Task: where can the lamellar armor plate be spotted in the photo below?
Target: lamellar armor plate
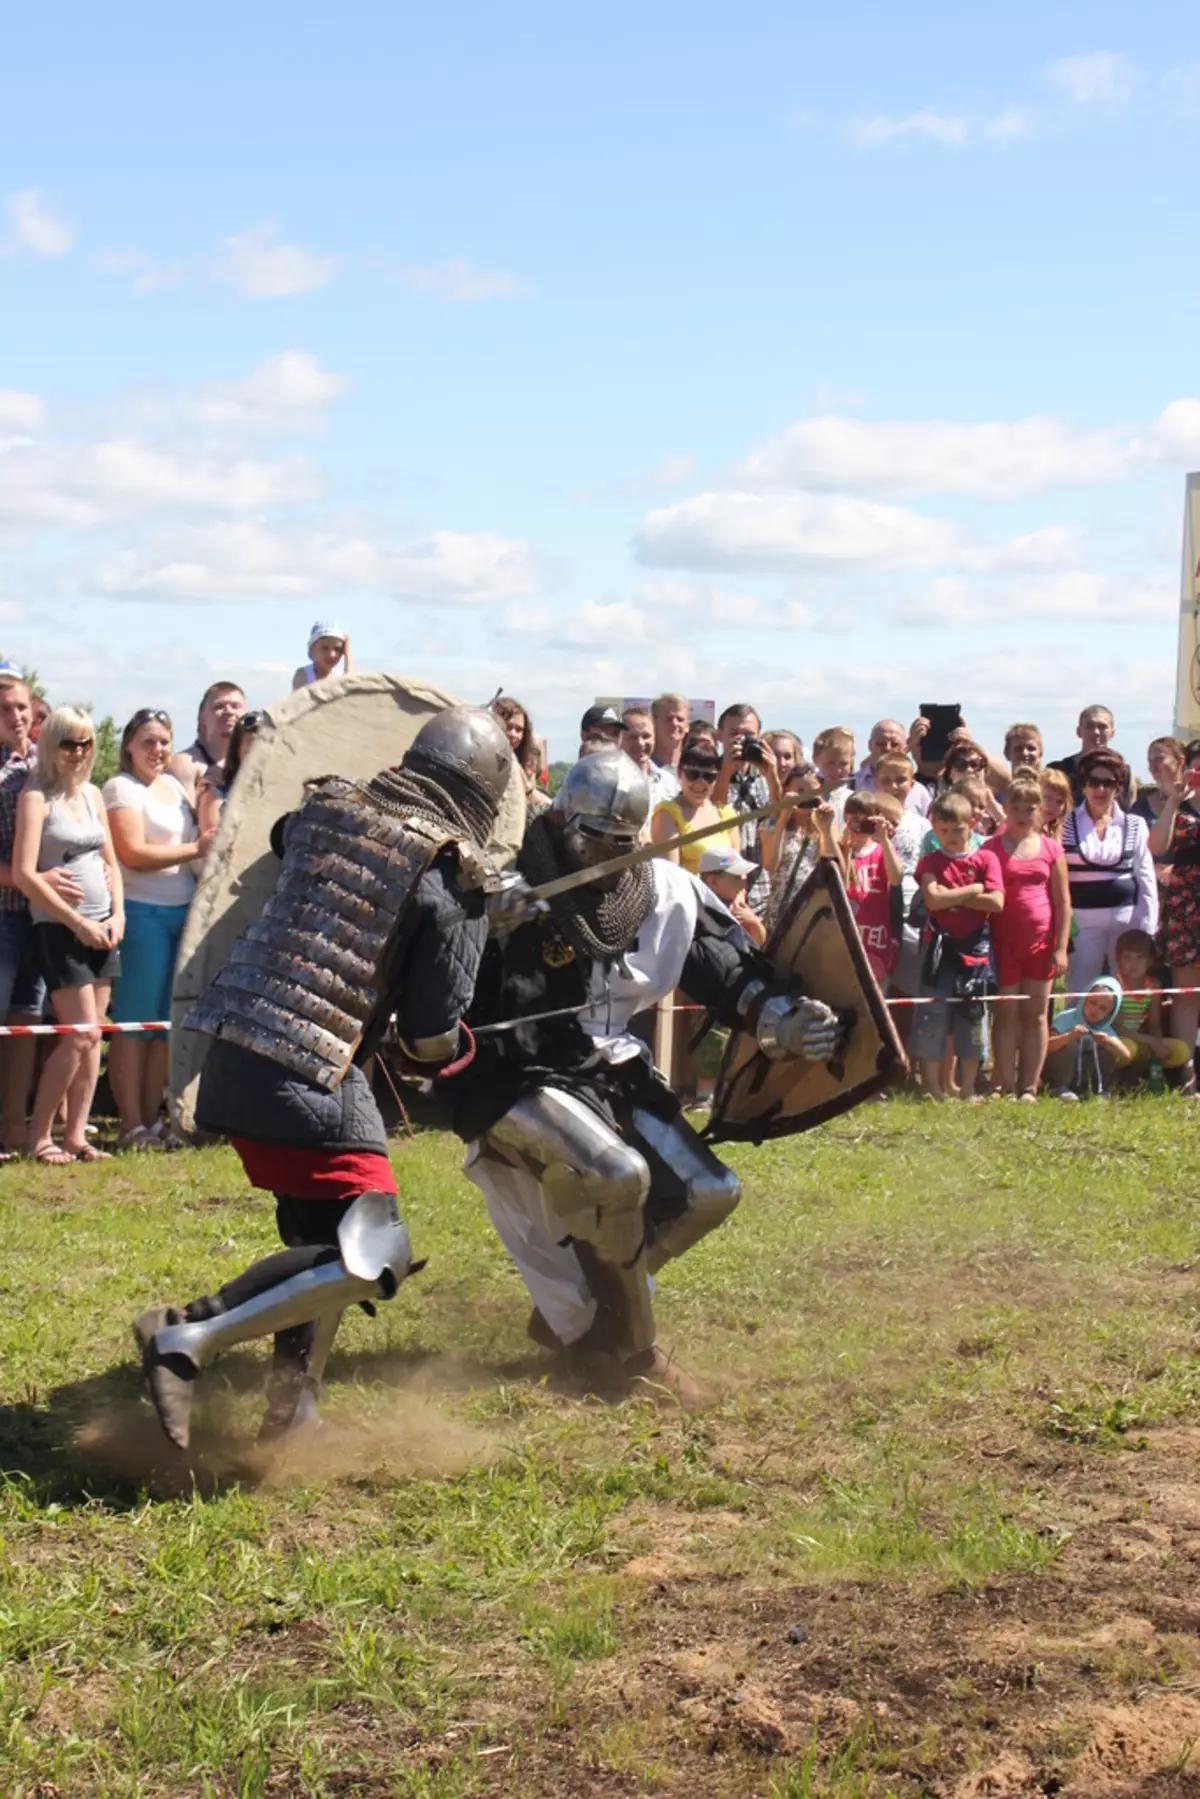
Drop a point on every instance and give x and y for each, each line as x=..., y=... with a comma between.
x=303, y=980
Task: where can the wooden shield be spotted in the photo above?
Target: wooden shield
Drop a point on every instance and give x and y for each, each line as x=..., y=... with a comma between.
x=354, y=726
x=816, y=948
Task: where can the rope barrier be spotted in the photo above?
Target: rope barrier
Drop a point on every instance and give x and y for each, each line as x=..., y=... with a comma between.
x=900, y=999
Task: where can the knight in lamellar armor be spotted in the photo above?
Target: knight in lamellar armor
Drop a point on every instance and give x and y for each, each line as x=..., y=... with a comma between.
x=378, y=914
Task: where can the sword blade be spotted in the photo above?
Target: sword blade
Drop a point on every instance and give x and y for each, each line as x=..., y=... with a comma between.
x=652, y=852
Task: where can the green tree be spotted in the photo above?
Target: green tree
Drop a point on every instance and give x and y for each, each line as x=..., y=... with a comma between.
x=108, y=750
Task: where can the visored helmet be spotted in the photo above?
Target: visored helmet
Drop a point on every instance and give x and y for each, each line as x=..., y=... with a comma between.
x=464, y=740
x=601, y=807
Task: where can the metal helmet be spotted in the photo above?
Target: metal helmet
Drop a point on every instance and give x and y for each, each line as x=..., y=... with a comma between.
x=464, y=740
x=601, y=807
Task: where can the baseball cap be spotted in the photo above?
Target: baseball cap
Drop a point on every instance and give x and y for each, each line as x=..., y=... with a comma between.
x=325, y=630
x=600, y=718
x=726, y=862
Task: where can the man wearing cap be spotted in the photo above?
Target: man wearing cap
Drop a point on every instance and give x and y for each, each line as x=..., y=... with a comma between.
x=725, y=872
x=600, y=721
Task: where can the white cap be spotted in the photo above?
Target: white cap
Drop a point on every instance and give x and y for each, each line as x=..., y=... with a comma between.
x=726, y=862
x=328, y=630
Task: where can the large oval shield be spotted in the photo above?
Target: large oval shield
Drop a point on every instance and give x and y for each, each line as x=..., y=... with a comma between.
x=816, y=949
x=353, y=725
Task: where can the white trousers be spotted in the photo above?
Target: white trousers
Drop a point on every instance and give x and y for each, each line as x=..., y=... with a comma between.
x=1095, y=950
x=550, y=1269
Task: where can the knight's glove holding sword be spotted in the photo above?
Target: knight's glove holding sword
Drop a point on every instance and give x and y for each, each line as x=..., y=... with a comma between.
x=511, y=905
x=785, y=1025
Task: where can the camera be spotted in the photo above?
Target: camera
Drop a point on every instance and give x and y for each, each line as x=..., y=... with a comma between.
x=752, y=748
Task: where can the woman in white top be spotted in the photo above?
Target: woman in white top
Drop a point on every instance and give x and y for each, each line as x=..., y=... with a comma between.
x=156, y=839
x=61, y=824
x=1109, y=868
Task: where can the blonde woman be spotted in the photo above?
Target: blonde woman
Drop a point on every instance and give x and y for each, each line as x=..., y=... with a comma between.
x=61, y=823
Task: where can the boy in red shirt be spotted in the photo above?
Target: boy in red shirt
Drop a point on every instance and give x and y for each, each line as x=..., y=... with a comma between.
x=960, y=886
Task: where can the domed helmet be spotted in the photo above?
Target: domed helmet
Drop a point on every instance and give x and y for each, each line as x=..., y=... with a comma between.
x=601, y=807
x=464, y=743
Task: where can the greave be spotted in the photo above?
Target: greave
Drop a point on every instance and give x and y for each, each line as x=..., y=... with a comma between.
x=303, y=1299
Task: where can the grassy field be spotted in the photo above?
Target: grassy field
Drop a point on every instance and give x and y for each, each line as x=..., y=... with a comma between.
x=940, y=1534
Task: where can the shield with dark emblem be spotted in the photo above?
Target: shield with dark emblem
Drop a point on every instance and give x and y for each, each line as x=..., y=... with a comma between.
x=351, y=726
x=816, y=950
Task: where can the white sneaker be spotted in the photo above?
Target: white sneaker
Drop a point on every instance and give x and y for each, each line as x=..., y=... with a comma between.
x=1066, y=1093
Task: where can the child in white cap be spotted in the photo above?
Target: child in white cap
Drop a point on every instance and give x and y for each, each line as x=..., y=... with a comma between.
x=328, y=645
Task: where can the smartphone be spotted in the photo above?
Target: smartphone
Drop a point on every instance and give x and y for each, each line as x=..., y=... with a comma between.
x=935, y=746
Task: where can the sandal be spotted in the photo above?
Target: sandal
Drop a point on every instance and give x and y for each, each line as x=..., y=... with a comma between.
x=89, y=1153
x=138, y=1138
x=51, y=1156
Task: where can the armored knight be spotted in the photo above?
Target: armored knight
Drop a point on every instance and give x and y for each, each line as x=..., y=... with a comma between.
x=378, y=910
x=592, y=1177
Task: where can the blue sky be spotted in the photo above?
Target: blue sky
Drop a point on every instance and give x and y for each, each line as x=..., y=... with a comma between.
x=835, y=360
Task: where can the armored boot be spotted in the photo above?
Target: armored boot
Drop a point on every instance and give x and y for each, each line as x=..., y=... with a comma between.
x=297, y=1288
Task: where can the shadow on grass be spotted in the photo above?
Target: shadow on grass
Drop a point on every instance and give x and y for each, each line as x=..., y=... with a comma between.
x=99, y=1440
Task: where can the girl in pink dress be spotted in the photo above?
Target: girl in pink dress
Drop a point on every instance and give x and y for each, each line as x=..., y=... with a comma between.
x=1029, y=939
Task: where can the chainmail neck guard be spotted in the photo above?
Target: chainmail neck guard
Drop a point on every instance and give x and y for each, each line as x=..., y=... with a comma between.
x=602, y=925
x=456, y=803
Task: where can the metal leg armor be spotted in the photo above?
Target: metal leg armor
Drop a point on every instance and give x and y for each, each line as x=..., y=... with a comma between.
x=593, y=1188
x=710, y=1191
x=373, y=1257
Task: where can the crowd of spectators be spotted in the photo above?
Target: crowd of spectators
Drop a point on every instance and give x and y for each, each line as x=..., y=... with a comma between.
x=981, y=883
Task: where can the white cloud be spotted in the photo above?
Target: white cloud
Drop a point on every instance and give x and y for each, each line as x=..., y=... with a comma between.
x=81, y=486
x=1066, y=595
x=1183, y=84
x=1101, y=78
x=20, y=411
x=35, y=227
x=1009, y=125
x=870, y=129
x=235, y=560
x=290, y=391
x=463, y=282
x=262, y=268
x=145, y=275
x=996, y=460
x=746, y=532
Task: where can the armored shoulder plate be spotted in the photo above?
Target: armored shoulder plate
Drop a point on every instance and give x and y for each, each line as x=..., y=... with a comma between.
x=301, y=982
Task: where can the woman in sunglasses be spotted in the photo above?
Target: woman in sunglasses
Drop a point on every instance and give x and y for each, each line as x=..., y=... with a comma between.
x=699, y=766
x=156, y=839
x=1176, y=839
x=1109, y=869
x=61, y=823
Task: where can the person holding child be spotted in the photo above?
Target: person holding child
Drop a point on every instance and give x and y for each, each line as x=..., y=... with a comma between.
x=1030, y=938
x=1176, y=837
x=962, y=889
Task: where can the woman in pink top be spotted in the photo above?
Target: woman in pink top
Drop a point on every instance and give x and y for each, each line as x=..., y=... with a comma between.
x=1029, y=938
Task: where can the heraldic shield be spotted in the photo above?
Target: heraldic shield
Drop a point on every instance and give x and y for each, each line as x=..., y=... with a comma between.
x=816, y=950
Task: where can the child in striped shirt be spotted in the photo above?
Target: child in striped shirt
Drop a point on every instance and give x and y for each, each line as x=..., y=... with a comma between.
x=1139, y=1019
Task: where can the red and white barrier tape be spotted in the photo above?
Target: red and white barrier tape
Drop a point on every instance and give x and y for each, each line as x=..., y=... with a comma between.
x=992, y=999
x=75, y=1030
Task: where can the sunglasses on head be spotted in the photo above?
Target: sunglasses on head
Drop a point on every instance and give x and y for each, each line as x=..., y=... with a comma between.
x=148, y=715
x=75, y=743
x=692, y=771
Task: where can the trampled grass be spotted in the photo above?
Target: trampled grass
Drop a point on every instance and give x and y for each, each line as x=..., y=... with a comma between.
x=955, y=1357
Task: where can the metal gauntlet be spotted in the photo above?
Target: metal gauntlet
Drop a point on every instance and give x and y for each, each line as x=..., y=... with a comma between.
x=785, y=1026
